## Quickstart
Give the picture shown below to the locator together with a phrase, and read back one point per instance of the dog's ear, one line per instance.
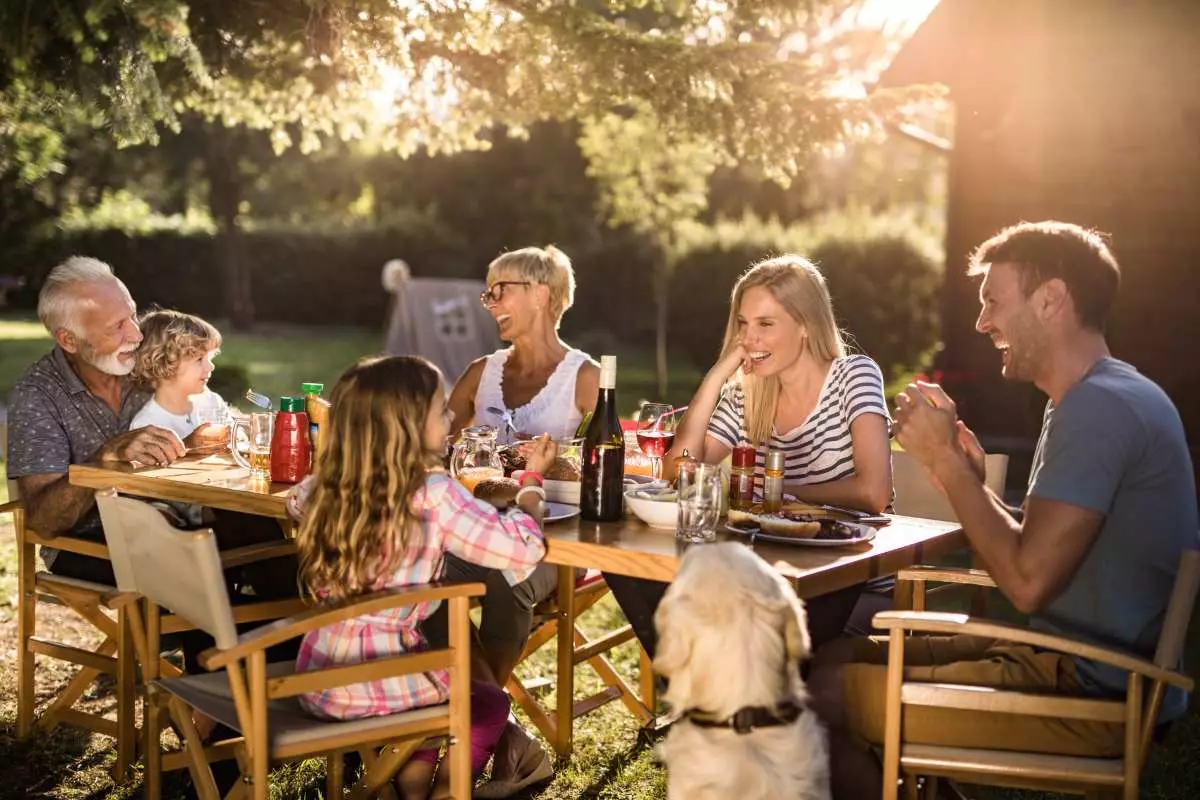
(674, 648)
(796, 638)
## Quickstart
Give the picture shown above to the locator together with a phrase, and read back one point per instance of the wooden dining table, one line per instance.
(625, 547)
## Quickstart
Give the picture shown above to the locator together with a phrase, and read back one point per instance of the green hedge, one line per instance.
(883, 275)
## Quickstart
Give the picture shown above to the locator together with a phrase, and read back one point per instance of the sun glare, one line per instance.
(903, 15)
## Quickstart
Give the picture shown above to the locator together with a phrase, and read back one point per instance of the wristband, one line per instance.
(539, 491)
(520, 475)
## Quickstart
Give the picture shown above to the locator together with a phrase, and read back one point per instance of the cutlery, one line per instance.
(258, 399)
(506, 415)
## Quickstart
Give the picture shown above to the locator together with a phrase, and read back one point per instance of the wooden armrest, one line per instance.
(251, 553)
(70, 544)
(118, 599)
(321, 680)
(959, 624)
(920, 574)
(11, 506)
(320, 616)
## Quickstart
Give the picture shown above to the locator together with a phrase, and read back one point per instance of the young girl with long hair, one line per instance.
(382, 513)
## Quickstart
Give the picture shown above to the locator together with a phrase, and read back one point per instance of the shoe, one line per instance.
(530, 765)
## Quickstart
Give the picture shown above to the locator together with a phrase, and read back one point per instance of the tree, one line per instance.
(749, 77)
(654, 180)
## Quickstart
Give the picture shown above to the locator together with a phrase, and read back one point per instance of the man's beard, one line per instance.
(110, 364)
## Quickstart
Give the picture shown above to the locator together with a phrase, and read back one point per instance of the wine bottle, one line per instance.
(600, 495)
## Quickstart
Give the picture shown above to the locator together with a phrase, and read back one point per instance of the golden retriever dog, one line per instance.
(731, 633)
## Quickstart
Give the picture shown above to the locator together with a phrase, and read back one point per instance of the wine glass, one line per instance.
(656, 432)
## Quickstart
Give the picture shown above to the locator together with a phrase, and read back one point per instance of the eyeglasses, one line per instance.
(495, 292)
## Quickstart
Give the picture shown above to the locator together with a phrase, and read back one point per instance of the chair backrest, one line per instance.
(916, 495)
(178, 570)
(1179, 611)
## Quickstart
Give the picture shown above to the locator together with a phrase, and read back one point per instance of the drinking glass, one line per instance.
(212, 411)
(699, 502)
(258, 427)
(656, 432)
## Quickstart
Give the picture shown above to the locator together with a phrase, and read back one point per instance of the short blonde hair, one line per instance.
(169, 337)
(548, 266)
(798, 286)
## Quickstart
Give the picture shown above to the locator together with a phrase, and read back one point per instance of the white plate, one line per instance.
(556, 512)
(755, 534)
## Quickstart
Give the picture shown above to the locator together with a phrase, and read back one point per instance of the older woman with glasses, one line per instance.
(543, 386)
(542, 383)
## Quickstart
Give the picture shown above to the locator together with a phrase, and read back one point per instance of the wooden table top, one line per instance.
(628, 547)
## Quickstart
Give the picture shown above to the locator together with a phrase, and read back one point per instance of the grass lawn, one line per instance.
(611, 760)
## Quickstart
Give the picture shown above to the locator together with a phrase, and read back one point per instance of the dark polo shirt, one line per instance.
(54, 421)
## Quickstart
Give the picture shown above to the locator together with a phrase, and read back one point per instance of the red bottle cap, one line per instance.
(743, 456)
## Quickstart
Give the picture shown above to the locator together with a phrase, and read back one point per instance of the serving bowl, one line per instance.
(658, 507)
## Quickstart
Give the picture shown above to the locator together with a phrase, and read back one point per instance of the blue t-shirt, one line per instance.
(1115, 445)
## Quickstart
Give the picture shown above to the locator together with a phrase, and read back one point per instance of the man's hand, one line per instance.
(208, 438)
(150, 445)
(926, 424)
(969, 444)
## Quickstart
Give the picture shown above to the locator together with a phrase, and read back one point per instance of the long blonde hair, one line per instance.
(371, 462)
(800, 288)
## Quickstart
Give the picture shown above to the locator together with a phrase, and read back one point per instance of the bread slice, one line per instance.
(790, 524)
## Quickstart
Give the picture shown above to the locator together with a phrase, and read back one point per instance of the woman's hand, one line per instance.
(540, 453)
(730, 363)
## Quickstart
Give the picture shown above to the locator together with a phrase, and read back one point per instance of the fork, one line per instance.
(258, 399)
(506, 415)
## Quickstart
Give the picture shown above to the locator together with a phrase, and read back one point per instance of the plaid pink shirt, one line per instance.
(452, 521)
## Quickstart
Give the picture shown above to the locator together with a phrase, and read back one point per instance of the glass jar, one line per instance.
(476, 456)
(741, 478)
(773, 482)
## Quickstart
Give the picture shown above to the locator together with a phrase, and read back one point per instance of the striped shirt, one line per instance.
(452, 521)
(821, 449)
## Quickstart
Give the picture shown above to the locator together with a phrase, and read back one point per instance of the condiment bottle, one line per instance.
(317, 408)
(682, 462)
(291, 451)
(773, 482)
(741, 478)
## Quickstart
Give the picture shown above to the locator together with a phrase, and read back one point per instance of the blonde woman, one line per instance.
(543, 383)
(789, 385)
(784, 381)
(543, 386)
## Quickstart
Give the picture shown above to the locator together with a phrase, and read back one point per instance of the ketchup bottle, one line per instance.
(291, 449)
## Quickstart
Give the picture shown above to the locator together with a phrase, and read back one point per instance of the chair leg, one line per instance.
(202, 777)
(335, 768)
(152, 724)
(564, 717)
(383, 768)
(646, 680)
(26, 627)
(126, 695)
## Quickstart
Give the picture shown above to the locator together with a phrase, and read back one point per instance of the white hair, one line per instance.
(395, 274)
(57, 303)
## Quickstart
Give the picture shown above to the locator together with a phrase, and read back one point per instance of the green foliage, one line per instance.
(123, 211)
(883, 274)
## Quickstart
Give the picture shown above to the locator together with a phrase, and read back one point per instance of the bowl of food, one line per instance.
(658, 507)
(562, 478)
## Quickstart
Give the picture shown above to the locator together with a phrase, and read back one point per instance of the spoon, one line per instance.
(506, 415)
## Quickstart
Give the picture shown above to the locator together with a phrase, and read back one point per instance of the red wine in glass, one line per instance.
(655, 443)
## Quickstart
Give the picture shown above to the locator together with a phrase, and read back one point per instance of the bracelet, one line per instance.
(520, 475)
(539, 491)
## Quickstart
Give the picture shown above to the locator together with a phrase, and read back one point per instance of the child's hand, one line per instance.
(540, 453)
(208, 438)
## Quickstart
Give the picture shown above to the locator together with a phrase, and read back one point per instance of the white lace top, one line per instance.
(552, 410)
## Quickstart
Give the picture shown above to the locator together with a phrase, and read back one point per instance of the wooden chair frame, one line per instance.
(251, 688)
(1138, 711)
(558, 620)
(102, 607)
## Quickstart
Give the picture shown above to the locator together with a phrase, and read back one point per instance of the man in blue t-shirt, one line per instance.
(1093, 553)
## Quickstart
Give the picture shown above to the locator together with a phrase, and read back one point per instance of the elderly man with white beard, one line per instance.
(74, 405)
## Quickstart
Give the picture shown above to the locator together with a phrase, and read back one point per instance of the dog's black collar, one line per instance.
(748, 718)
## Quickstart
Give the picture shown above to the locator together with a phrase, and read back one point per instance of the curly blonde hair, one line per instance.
(371, 462)
(169, 338)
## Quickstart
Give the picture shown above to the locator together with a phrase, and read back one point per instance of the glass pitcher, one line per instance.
(476, 456)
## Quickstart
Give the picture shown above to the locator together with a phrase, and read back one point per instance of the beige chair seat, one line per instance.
(290, 727)
(49, 578)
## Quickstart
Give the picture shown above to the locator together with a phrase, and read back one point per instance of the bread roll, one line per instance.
(500, 492)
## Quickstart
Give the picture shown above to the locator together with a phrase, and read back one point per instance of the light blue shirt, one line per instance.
(1115, 445)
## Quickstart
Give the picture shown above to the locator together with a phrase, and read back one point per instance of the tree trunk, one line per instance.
(662, 297)
(224, 196)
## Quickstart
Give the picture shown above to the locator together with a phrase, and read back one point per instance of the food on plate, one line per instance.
(563, 469)
(745, 516)
(804, 526)
(500, 492)
(665, 494)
